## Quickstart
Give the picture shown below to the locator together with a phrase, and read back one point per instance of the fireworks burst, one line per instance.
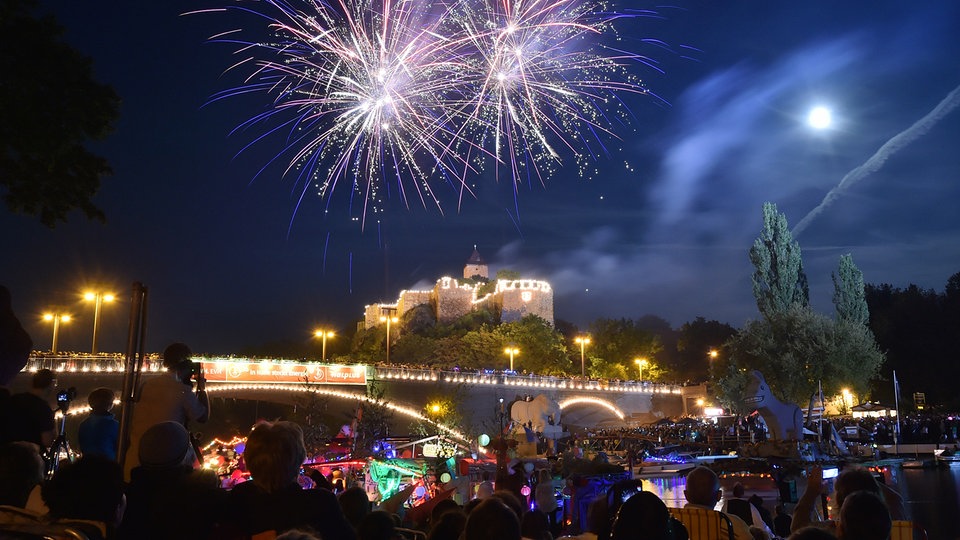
(419, 95)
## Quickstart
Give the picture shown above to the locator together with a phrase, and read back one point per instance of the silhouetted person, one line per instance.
(21, 470)
(15, 342)
(87, 494)
(167, 497)
(167, 397)
(492, 519)
(848, 481)
(645, 517)
(812, 533)
(864, 516)
(781, 522)
(703, 491)
(273, 500)
(30, 415)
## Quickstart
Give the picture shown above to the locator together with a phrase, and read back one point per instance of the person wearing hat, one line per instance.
(98, 432)
(166, 496)
(167, 397)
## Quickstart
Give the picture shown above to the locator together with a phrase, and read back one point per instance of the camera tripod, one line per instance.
(60, 449)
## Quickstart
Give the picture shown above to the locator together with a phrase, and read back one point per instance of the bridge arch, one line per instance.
(594, 405)
(336, 394)
(83, 410)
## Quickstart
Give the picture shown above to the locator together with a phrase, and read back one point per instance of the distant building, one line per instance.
(450, 299)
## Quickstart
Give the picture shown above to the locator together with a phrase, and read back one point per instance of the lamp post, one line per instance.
(583, 341)
(511, 351)
(323, 335)
(388, 318)
(57, 318)
(712, 355)
(98, 298)
(640, 363)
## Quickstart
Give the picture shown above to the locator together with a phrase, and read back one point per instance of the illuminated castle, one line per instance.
(450, 299)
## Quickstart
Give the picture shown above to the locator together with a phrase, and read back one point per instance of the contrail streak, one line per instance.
(877, 160)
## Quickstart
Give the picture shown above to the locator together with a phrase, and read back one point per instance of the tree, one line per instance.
(697, 339)
(778, 278)
(620, 342)
(51, 107)
(372, 420)
(542, 348)
(798, 348)
(916, 328)
(849, 296)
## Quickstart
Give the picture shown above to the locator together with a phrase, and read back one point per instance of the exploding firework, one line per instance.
(422, 95)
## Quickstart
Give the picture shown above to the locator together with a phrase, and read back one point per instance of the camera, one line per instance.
(64, 397)
(190, 370)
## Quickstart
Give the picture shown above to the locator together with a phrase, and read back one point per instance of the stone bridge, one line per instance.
(407, 391)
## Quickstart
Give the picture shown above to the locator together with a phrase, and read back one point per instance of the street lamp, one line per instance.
(323, 334)
(511, 351)
(583, 341)
(713, 354)
(57, 318)
(387, 318)
(640, 363)
(98, 298)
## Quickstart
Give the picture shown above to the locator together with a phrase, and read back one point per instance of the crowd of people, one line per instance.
(155, 488)
(167, 496)
(163, 493)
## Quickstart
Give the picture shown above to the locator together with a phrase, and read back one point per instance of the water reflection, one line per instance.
(669, 489)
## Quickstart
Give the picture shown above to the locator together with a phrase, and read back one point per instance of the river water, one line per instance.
(931, 496)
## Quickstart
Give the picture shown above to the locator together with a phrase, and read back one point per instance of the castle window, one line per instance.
(526, 296)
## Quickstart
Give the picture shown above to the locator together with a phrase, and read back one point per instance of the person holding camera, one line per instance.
(167, 398)
(29, 416)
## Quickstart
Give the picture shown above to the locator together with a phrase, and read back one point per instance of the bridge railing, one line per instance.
(86, 363)
(113, 362)
(531, 381)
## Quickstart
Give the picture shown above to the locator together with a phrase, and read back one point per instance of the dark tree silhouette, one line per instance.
(50, 105)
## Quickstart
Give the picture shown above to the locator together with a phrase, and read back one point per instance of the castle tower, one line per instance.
(475, 266)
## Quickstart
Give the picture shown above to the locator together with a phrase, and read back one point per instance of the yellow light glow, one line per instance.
(593, 401)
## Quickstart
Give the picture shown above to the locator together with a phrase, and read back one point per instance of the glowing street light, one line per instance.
(847, 399)
(387, 318)
(640, 363)
(57, 318)
(713, 354)
(98, 298)
(323, 334)
(511, 351)
(583, 341)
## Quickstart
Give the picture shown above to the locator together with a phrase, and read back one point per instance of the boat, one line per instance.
(658, 469)
(948, 457)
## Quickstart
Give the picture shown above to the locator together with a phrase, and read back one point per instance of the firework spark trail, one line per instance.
(895, 144)
(415, 95)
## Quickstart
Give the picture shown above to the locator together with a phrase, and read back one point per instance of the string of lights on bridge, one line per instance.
(94, 364)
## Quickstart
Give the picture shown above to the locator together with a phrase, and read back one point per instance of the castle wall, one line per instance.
(453, 299)
(371, 315)
(522, 297)
(411, 299)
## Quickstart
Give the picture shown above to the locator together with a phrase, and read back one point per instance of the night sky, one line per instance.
(663, 227)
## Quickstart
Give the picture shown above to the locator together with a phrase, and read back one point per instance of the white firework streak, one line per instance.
(414, 92)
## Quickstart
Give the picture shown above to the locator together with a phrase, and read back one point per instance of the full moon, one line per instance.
(819, 118)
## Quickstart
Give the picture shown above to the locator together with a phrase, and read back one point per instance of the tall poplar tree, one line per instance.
(849, 295)
(779, 281)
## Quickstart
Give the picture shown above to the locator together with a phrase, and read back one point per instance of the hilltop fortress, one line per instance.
(450, 299)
